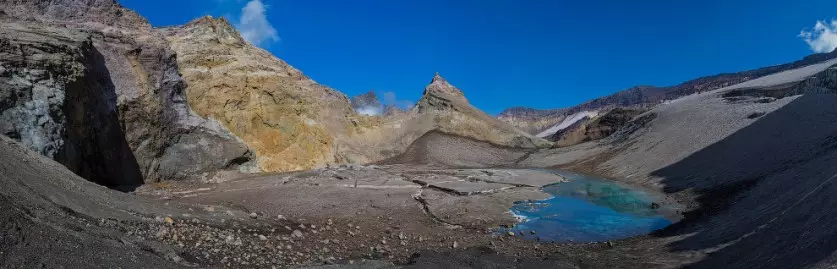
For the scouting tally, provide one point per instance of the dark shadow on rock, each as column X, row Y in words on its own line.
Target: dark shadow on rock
column 95, row 146
column 764, row 192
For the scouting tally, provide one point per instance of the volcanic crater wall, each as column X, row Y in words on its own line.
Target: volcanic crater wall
column 54, row 97
column 85, row 79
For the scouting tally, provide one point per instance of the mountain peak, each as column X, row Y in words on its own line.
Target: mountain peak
column 440, row 86
column 438, row 77
column 210, row 27
column 208, row 20
column 369, row 99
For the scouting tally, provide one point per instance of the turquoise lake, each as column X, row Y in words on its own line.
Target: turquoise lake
column 588, row 209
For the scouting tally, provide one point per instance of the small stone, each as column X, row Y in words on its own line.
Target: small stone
column 609, row 244
column 326, row 242
column 532, row 232
column 510, row 233
column 262, row 237
column 168, row 220
column 302, row 226
column 254, row 215
column 296, row 233
column 350, row 225
column 280, row 217
column 455, row 244
column 313, row 226
column 329, row 222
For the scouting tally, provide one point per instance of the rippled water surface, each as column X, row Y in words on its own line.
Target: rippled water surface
column 587, row 209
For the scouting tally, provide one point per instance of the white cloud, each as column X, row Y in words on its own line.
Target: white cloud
column 823, row 38
column 370, row 110
column 254, row 26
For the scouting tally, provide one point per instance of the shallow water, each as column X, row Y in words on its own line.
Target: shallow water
column 587, row 209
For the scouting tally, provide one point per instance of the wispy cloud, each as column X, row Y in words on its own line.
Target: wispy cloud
column 254, row 26
column 370, row 110
column 390, row 98
column 823, row 38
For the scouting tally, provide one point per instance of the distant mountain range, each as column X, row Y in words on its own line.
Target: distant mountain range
column 536, row 121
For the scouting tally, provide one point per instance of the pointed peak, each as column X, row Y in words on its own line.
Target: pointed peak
column 219, row 27
column 202, row 20
column 219, row 22
column 437, row 77
column 440, row 85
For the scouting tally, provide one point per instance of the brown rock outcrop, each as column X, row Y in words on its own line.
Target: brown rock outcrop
column 290, row 121
column 167, row 139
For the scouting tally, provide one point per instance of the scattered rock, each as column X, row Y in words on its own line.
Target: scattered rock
column 254, row 215
column 755, row 115
column 296, row 233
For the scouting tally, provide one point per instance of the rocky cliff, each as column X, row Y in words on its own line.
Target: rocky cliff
column 595, row 128
column 54, row 98
column 290, row 121
column 139, row 71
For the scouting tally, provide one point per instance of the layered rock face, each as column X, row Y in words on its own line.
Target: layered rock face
column 167, row 139
column 55, row 97
column 290, row 121
column 595, row 128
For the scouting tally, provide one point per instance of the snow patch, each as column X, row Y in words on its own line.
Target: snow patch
column 570, row 120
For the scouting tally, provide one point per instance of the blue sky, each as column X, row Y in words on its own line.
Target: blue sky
column 540, row 54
